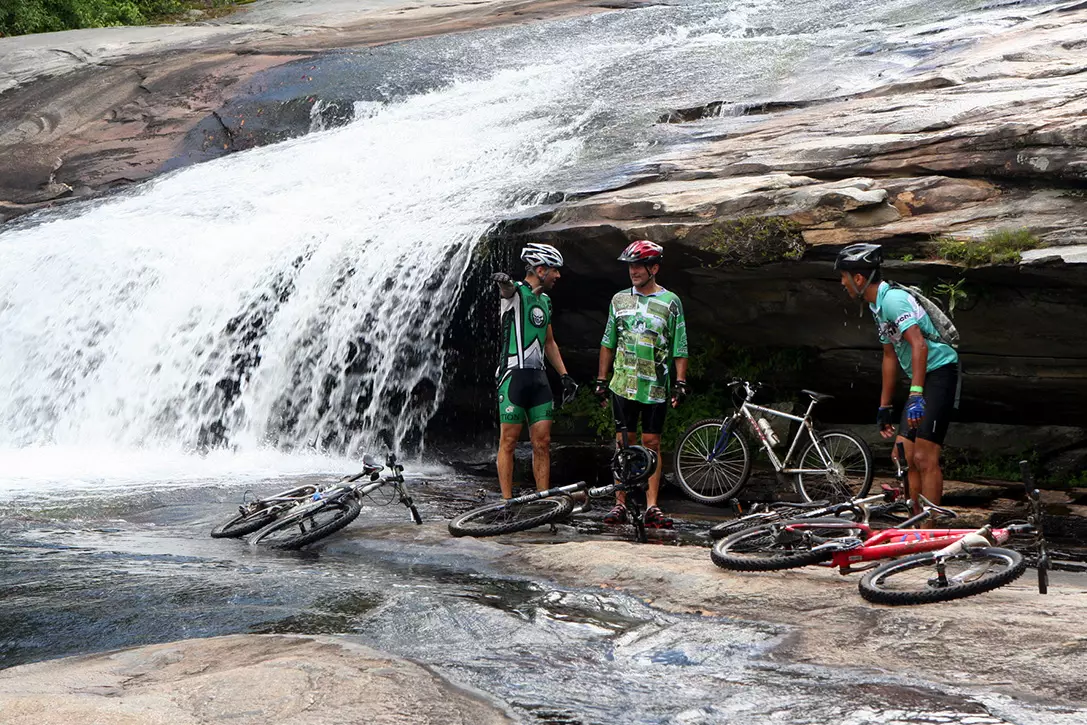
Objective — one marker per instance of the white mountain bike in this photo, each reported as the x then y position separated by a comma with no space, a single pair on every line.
713,456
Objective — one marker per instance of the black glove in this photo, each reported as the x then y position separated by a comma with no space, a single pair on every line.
885,416
500,278
600,388
569,389
679,392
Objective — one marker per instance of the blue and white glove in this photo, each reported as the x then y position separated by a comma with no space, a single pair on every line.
915,410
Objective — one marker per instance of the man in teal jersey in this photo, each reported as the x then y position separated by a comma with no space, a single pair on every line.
644,335
911,341
524,394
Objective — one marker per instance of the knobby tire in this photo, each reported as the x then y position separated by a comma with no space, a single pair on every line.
349,507
844,449
769,548
243,524
880,586
711,481
503,518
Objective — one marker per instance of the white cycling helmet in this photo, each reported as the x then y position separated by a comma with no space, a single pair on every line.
535,255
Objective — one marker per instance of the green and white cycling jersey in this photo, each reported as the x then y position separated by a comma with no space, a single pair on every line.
896,311
647,332
525,317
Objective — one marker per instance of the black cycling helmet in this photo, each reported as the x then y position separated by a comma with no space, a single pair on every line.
859,257
633,465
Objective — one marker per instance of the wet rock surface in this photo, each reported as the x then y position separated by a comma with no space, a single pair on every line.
240,679
86,111
1012,639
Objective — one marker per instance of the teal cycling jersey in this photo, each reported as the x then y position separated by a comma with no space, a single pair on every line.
896,311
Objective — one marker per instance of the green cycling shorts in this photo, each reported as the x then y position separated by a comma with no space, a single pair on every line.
525,396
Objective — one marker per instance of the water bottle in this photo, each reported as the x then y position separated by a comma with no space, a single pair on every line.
768,431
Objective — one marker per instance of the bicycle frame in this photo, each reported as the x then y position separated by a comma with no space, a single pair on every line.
779,464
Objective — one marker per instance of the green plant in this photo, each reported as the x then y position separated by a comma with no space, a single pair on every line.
953,292
20,17
752,241
907,257
1003,246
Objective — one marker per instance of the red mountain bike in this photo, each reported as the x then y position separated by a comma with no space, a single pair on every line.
939,564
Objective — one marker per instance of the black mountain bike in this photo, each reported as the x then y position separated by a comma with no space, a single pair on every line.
631,467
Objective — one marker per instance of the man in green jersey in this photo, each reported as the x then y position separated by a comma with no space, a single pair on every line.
524,395
644,335
911,341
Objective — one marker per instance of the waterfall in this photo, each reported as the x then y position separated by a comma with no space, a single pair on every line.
298,295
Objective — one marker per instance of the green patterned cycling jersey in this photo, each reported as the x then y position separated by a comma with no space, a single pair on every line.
647,332
525,317
896,311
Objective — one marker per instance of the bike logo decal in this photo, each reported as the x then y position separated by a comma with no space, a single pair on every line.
536,314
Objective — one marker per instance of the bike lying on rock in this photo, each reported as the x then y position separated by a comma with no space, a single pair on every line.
887,503
631,467
713,459
939,564
293,518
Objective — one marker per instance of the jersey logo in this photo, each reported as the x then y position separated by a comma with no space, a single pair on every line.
536,314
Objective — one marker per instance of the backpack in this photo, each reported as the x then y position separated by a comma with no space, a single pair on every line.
946,332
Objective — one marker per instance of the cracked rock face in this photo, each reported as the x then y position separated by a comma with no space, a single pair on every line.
239,679
992,136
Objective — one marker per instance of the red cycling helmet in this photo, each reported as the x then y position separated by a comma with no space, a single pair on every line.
642,251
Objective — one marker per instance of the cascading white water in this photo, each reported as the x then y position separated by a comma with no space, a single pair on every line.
290,294
298,294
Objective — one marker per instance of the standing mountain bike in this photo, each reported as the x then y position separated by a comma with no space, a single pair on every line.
713,460
299,516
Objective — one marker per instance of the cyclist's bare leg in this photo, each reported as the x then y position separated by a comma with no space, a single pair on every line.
914,476
632,439
652,441
926,456
507,441
540,435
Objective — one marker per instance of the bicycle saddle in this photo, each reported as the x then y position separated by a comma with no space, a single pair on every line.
817,397
937,510
370,465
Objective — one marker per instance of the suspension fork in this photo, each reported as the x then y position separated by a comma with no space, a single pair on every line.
722,439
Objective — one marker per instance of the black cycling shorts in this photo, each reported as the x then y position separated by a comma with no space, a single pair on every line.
941,402
627,412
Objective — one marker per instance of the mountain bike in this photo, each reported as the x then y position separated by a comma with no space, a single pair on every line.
713,459
299,516
940,564
631,467
887,503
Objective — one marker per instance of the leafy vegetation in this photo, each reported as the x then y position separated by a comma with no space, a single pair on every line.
1003,246
965,465
751,241
953,292
20,17
711,366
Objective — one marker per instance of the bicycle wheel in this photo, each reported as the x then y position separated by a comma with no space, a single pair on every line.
780,545
243,523
926,578
728,528
717,480
299,528
848,475
505,518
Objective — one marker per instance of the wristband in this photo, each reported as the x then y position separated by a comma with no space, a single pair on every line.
916,389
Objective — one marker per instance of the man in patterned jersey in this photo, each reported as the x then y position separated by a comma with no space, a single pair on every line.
644,335
524,394
910,341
